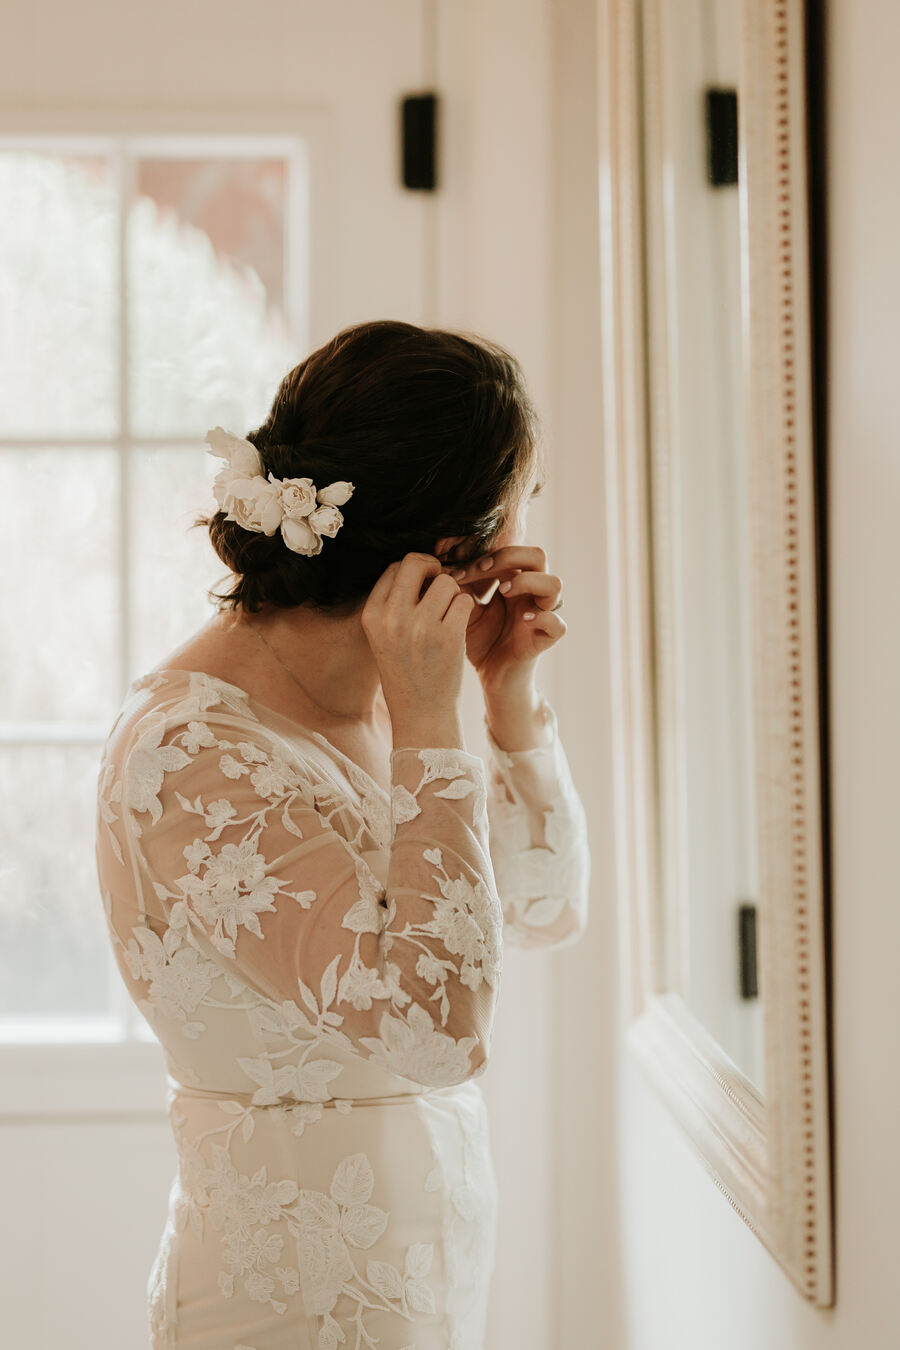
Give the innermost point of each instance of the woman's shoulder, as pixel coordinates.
(185, 743)
(174, 706)
(170, 703)
(165, 699)
(185, 692)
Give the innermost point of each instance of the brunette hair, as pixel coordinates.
(435, 430)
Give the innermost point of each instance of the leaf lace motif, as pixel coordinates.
(328, 1230)
(229, 884)
(543, 886)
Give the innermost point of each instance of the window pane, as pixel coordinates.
(53, 940)
(208, 337)
(59, 312)
(172, 565)
(59, 623)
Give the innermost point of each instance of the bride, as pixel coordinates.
(309, 879)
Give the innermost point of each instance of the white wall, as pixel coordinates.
(491, 250)
(696, 1278)
(518, 260)
(587, 1291)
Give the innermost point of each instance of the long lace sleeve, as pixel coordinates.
(539, 842)
(246, 854)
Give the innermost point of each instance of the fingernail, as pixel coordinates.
(529, 615)
(486, 563)
(457, 573)
(504, 586)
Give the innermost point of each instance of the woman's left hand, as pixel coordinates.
(501, 642)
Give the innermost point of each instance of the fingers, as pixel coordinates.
(459, 610)
(403, 580)
(438, 599)
(544, 588)
(419, 640)
(381, 590)
(548, 625)
(512, 557)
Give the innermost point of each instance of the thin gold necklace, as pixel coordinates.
(331, 712)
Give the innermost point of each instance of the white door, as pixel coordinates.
(192, 196)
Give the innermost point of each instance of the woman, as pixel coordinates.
(308, 878)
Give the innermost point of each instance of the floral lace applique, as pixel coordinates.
(472, 1229)
(229, 885)
(329, 1228)
(281, 966)
(542, 870)
(147, 766)
(241, 1209)
(415, 1049)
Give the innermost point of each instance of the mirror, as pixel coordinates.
(716, 549)
(689, 64)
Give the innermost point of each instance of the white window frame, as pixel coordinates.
(113, 1065)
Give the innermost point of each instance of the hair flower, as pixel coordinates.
(263, 504)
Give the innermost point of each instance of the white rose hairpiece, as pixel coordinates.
(264, 505)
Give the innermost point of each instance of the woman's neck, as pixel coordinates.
(341, 681)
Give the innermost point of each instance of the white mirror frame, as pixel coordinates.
(769, 1152)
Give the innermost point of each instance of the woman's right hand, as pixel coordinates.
(418, 639)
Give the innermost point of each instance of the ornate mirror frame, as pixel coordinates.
(768, 1151)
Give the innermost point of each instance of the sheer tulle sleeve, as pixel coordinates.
(247, 855)
(539, 841)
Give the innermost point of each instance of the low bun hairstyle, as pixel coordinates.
(435, 430)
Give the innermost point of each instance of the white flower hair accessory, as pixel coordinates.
(264, 505)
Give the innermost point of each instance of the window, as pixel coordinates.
(149, 290)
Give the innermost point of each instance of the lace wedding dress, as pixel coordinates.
(320, 962)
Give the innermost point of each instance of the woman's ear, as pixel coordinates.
(446, 544)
